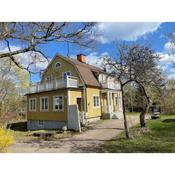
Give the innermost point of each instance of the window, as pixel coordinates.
(49, 78)
(44, 104)
(65, 74)
(58, 65)
(32, 104)
(40, 122)
(58, 103)
(96, 101)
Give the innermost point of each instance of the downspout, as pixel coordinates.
(85, 103)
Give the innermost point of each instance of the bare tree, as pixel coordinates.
(32, 35)
(137, 64)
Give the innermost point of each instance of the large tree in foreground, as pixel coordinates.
(137, 64)
(29, 37)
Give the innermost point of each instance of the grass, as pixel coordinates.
(158, 137)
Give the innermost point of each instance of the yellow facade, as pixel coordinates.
(82, 97)
(57, 73)
(50, 114)
(91, 110)
(73, 95)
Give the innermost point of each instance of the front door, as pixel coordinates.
(79, 103)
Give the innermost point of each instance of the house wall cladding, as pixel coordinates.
(91, 110)
(50, 114)
(57, 72)
(35, 124)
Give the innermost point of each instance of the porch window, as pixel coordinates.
(44, 104)
(32, 104)
(96, 101)
(58, 103)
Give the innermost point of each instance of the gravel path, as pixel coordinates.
(90, 141)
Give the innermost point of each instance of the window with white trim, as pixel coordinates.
(58, 65)
(65, 74)
(96, 101)
(58, 103)
(44, 103)
(41, 122)
(32, 104)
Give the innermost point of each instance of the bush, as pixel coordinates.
(6, 139)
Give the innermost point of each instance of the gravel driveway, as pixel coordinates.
(90, 141)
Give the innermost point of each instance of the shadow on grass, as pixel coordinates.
(19, 126)
(168, 120)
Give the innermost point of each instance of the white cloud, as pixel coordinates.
(93, 58)
(167, 61)
(128, 31)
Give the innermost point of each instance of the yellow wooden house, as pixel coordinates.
(66, 82)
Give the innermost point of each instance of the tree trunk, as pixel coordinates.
(124, 116)
(145, 108)
(143, 114)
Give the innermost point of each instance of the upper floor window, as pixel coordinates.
(96, 101)
(102, 78)
(65, 74)
(49, 78)
(32, 104)
(58, 65)
(58, 103)
(44, 103)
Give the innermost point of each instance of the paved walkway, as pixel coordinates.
(91, 140)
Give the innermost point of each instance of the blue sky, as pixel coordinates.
(154, 34)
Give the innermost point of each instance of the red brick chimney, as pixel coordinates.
(81, 58)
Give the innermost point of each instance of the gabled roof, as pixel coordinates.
(85, 71)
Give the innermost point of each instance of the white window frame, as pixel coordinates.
(56, 65)
(57, 110)
(97, 101)
(44, 110)
(66, 72)
(32, 110)
(41, 123)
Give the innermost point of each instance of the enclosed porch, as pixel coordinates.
(111, 102)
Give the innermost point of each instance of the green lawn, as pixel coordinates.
(158, 137)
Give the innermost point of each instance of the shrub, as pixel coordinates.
(6, 139)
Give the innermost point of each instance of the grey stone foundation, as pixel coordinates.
(44, 124)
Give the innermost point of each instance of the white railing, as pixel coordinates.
(111, 85)
(66, 82)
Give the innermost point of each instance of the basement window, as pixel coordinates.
(41, 122)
